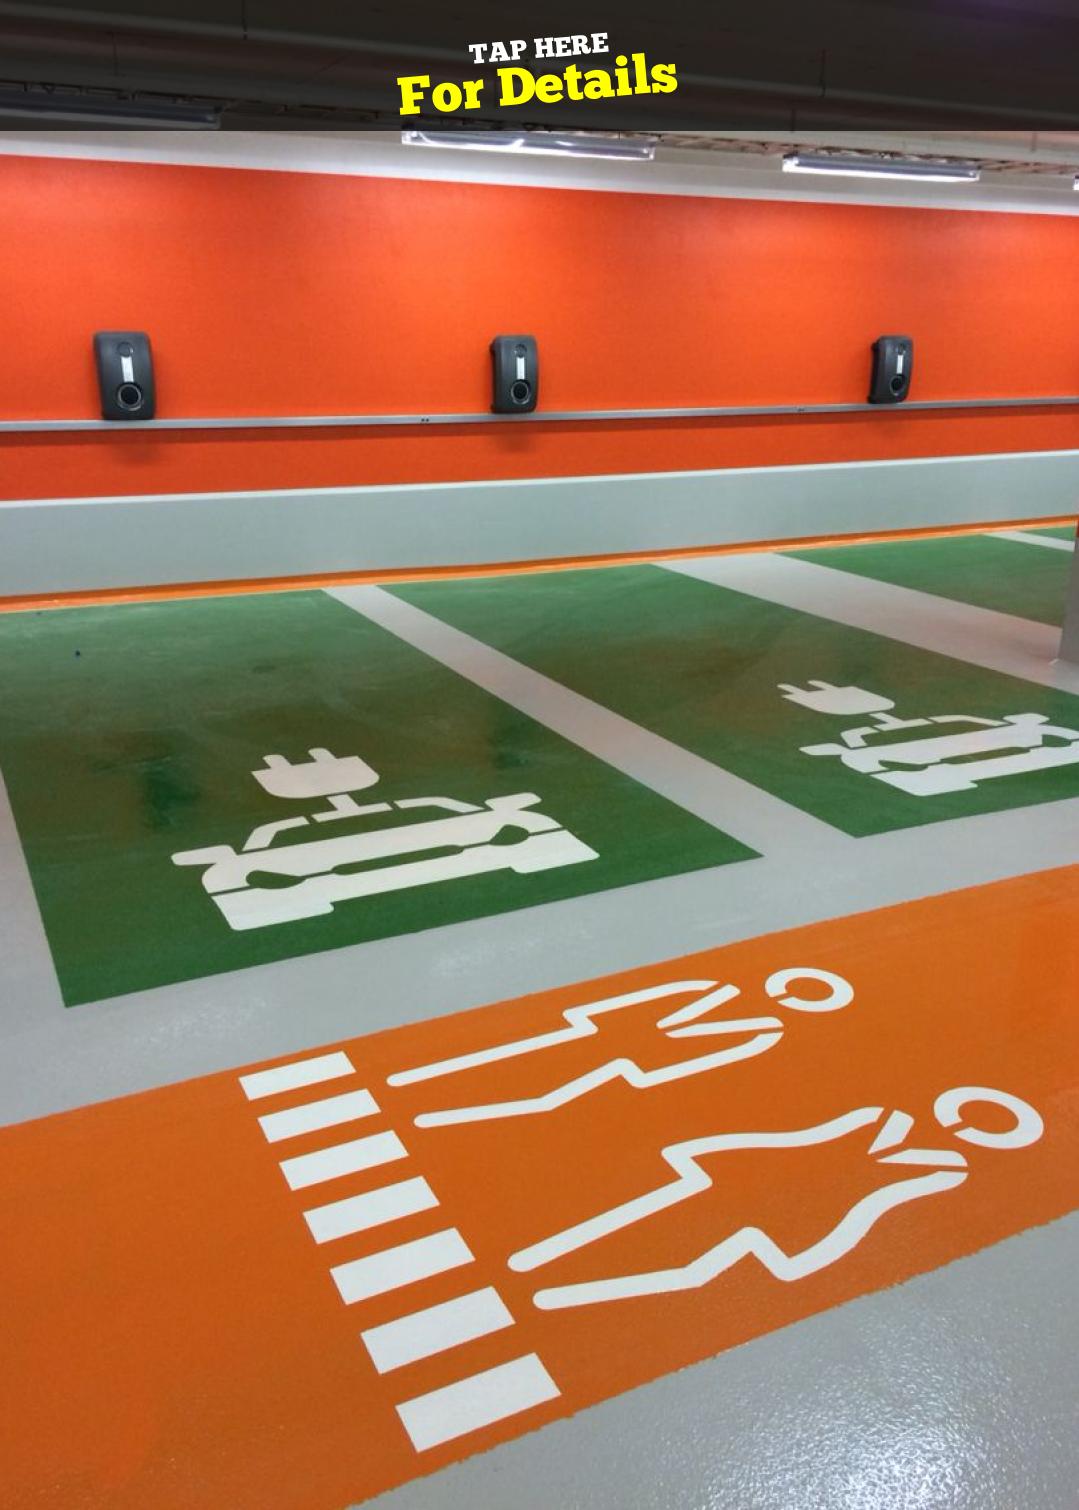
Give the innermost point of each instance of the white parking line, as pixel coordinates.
(769, 825)
(980, 636)
(28, 983)
(1021, 537)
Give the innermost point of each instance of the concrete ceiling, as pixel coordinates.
(761, 66)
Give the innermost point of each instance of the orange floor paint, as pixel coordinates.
(299, 1287)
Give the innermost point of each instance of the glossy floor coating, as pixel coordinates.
(754, 1187)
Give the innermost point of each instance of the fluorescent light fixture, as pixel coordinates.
(856, 165)
(638, 149)
(91, 110)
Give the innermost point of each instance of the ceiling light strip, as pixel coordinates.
(910, 169)
(539, 143)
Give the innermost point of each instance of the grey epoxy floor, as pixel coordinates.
(954, 1391)
(957, 1388)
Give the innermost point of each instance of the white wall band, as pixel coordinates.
(68, 545)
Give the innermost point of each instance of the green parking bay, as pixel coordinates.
(905, 736)
(132, 736)
(987, 571)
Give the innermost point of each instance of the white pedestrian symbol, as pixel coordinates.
(947, 759)
(684, 1023)
(949, 1167)
(261, 885)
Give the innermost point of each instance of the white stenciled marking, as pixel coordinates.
(478, 1401)
(345, 866)
(751, 1241)
(616, 1069)
(290, 1077)
(358, 1213)
(315, 1115)
(691, 1179)
(324, 775)
(404, 1265)
(580, 1024)
(949, 1166)
(766, 1031)
(436, 1329)
(343, 1158)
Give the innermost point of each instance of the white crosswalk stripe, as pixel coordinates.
(290, 1077)
(313, 1116)
(358, 1213)
(436, 1329)
(405, 1264)
(342, 1158)
(480, 1400)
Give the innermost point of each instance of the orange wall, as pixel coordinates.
(290, 293)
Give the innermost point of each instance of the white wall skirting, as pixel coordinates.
(91, 544)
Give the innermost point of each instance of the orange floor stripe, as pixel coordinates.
(299, 1285)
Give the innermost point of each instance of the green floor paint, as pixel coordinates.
(702, 666)
(1060, 531)
(1005, 575)
(129, 734)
